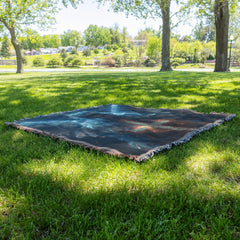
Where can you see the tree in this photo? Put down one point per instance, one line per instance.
(144, 35)
(144, 9)
(72, 38)
(124, 35)
(221, 10)
(50, 41)
(115, 35)
(165, 9)
(15, 15)
(63, 54)
(154, 48)
(234, 25)
(31, 41)
(205, 32)
(5, 49)
(186, 38)
(97, 36)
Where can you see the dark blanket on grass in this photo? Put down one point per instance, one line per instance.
(122, 130)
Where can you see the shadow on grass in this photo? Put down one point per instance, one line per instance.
(43, 206)
(110, 198)
(70, 91)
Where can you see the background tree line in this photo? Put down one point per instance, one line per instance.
(94, 36)
(196, 48)
(17, 15)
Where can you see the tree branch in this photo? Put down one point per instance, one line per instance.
(5, 23)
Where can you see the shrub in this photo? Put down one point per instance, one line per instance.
(203, 59)
(97, 62)
(109, 61)
(96, 50)
(122, 45)
(131, 46)
(125, 50)
(54, 62)
(236, 54)
(195, 56)
(74, 51)
(150, 62)
(109, 48)
(118, 52)
(24, 60)
(211, 57)
(63, 54)
(154, 48)
(180, 54)
(175, 64)
(105, 52)
(73, 61)
(115, 46)
(68, 60)
(178, 60)
(86, 52)
(138, 62)
(130, 63)
(76, 62)
(38, 62)
(119, 60)
(126, 59)
(195, 59)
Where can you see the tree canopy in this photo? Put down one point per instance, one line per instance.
(5, 49)
(22, 13)
(97, 36)
(17, 15)
(145, 9)
(71, 38)
(234, 25)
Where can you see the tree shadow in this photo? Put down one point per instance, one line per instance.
(51, 209)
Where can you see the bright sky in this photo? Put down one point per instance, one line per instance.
(88, 13)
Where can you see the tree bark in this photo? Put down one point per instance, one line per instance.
(165, 8)
(221, 12)
(17, 48)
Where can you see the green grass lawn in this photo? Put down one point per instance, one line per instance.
(53, 190)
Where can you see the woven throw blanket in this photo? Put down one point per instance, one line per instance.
(122, 130)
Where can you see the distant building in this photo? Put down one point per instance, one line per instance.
(67, 48)
(82, 48)
(48, 50)
(33, 52)
(137, 43)
(102, 47)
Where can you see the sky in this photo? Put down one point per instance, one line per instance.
(88, 13)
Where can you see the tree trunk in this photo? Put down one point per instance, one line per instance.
(17, 48)
(165, 8)
(221, 12)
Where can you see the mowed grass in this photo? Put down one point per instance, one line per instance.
(53, 190)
